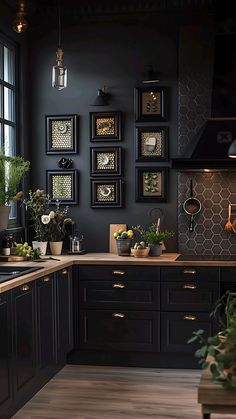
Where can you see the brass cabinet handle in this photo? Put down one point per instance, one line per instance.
(24, 287)
(190, 317)
(46, 279)
(118, 272)
(118, 285)
(118, 315)
(189, 271)
(64, 272)
(189, 286)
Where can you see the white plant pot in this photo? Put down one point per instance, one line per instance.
(40, 245)
(4, 216)
(56, 247)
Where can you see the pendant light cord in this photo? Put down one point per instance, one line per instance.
(59, 24)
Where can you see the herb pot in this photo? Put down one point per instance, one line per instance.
(56, 247)
(40, 245)
(155, 249)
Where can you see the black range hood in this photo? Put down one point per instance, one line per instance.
(209, 149)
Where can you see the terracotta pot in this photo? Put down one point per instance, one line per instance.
(40, 245)
(56, 247)
(4, 216)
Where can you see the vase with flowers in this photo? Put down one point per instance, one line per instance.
(55, 222)
(37, 203)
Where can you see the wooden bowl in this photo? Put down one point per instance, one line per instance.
(140, 253)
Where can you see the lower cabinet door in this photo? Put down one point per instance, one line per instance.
(45, 322)
(119, 330)
(177, 328)
(24, 337)
(5, 352)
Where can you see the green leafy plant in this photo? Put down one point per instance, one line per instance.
(12, 169)
(152, 235)
(218, 353)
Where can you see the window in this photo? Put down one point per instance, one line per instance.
(8, 126)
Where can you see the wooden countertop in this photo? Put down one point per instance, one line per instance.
(50, 266)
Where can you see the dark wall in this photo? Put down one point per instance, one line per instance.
(97, 54)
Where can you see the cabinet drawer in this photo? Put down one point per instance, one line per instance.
(119, 330)
(177, 329)
(189, 295)
(190, 273)
(120, 273)
(120, 294)
(228, 275)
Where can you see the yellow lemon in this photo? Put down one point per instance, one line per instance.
(121, 231)
(130, 233)
(115, 235)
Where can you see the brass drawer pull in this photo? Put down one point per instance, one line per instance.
(64, 272)
(46, 279)
(190, 317)
(25, 287)
(118, 285)
(118, 315)
(189, 286)
(190, 271)
(118, 272)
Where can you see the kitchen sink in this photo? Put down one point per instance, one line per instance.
(10, 272)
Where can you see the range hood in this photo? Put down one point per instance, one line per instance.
(209, 149)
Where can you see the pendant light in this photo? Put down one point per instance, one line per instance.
(59, 71)
(20, 24)
(232, 150)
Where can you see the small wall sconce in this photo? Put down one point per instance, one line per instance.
(151, 76)
(102, 98)
(232, 150)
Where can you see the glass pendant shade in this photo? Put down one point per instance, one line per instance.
(20, 24)
(232, 150)
(59, 72)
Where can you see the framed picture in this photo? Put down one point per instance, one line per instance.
(105, 161)
(151, 184)
(105, 126)
(151, 104)
(151, 144)
(61, 134)
(106, 193)
(62, 185)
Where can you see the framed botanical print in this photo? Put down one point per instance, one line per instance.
(106, 193)
(151, 104)
(105, 126)
(105, 161)
(151, 144)
(62, 185)
(61, 134)
(151, 184)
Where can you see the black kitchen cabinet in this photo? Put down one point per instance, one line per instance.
(24, 338)
(5, 352)
(46, 332)
(64, 313)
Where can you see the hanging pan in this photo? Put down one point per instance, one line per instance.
(192, 206)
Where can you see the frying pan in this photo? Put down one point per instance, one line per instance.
(192, 206)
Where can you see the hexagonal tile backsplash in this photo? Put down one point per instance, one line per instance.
(215, 191)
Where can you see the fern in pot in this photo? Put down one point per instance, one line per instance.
(12, 170)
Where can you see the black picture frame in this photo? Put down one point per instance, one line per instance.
(70, 179)
(105, 126)
(105, 161)
(152, 144)
(149, 196)
(151, 104)
(68, 134)
(113, 199)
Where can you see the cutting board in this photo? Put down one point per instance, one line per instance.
(13, 258)
(112, 242)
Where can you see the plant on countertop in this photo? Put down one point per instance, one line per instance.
(218, 353)
(153, 235)
(37, 204)
(55, 222)
(12, 169)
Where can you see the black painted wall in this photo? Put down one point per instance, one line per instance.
(96, 54)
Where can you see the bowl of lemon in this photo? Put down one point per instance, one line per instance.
(140, 250)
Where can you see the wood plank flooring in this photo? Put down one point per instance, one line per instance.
(93, 392)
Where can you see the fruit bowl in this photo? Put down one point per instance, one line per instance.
(140, 253)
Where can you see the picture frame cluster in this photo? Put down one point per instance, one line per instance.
(152, 143)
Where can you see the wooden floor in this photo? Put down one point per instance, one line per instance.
(89, 392)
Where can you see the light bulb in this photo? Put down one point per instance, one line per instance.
(59, 72)
(20, 24)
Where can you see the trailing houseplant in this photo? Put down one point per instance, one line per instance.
(12, 169)
(218, 353)
(153, 237)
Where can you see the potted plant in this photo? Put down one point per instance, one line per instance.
(12, 169)
(123, 241)
(153, 237)
(218, 353)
